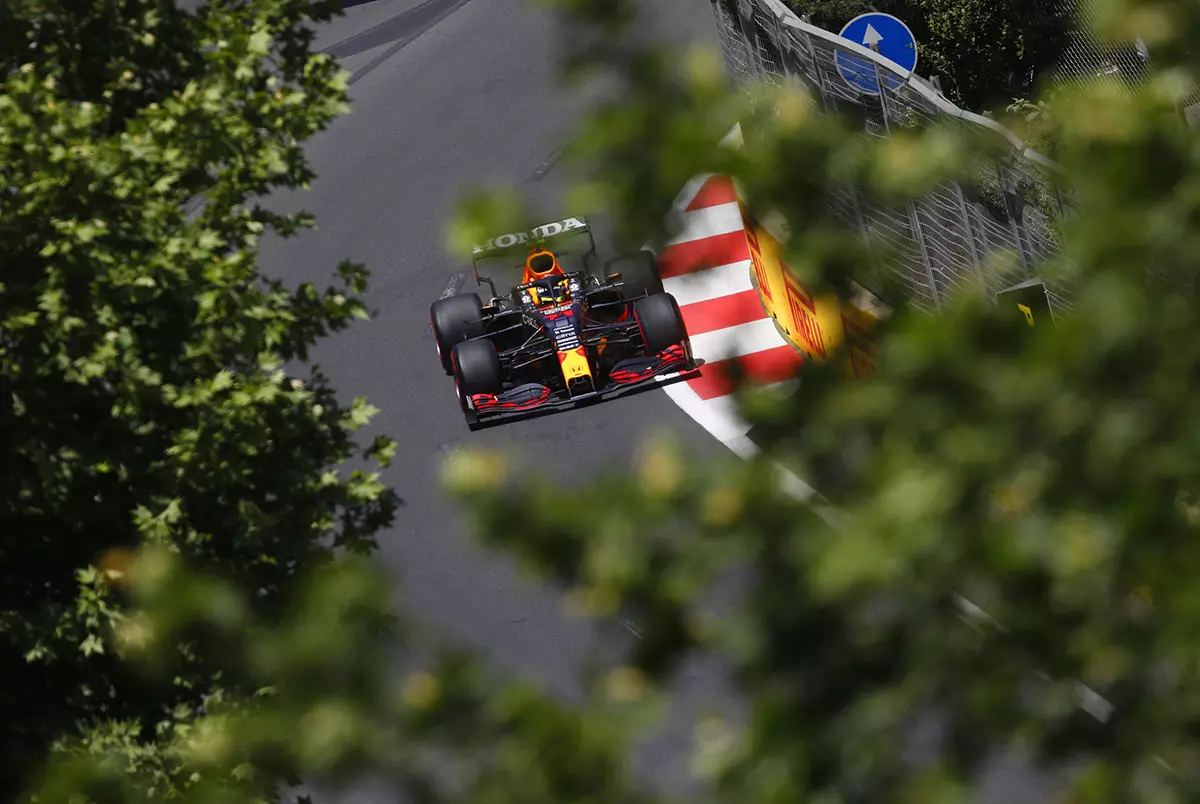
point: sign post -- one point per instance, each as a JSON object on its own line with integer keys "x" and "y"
{"x": 1028, "y": 300}
{"x": 887, "y": 36}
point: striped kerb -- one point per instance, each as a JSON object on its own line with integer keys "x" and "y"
{"x": 706, "y": 267}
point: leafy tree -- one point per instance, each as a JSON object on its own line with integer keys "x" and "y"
{"x": 154, "y": 380}
{"x": 1032, "y": 122}
{"x": 851, "y": 628}
{"x": 987, "y": 53}
{"x": 833, "y": 14}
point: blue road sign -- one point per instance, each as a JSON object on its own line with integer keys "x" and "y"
{"x": 893, "y": 40}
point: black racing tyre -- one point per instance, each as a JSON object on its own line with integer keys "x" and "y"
{"x": 660, "y": 322}
{"x": 455, "y": 319}
{"x": 476, "y": 368}
{"x": 639, "y": 273}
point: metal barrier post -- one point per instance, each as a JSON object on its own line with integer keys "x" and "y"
{"x": 1010, "y": 208}
{"x": 914, "y": 218}
{"x": 976, "y": 262}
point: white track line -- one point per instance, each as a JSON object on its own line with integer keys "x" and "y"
{"x": 689, "y": 192}
{"x": 706, "y": 222}
{"x": 718, "y": 416}
{"x": 737, "y": 341}
{"x": 710, "y": 283}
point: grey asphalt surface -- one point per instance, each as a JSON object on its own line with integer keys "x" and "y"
{"x": 449, "y": 95}
{"x": 468, "y": 101}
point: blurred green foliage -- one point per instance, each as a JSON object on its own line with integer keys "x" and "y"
{"x": 145, "y": 395}
{"x": 987, "y": 52}
{"x": 851, "y": 627}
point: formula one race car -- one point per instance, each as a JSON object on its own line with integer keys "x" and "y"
{"x": 558, "y": 337}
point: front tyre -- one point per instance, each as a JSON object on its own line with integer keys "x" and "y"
{"x": 454, "y": 320}
{"x": 660, "y": 322}
{"x": 476, "y": 369}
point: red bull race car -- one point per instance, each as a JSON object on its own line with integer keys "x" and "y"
{"x": 559, "y": 337}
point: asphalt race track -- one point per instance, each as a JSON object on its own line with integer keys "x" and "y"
{"x": 449, "y": 95}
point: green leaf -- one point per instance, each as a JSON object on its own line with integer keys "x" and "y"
{"x": 92, "y": 645}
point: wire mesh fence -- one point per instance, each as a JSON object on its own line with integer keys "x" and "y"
{"x": 1125, "y": 64}
{"x": 1086, "y": 59}
{"x": 990, "y": 233}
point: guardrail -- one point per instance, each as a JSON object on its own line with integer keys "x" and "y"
{"x": 992, "y": 231}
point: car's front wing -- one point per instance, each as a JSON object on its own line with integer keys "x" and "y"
{"x": 537, "y": 400}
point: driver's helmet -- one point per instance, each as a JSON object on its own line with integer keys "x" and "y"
{"x": 540, "y": 263}
{"x": 560, "y": 290}
{"x": 551, "y": 289}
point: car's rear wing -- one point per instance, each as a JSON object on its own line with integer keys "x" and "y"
{"x": 512, "y": 243}
{"x": 517, "y": 244}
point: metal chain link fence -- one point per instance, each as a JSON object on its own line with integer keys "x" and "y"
{"x": 1126, "y": 64}
{"x": 992, "y": 232}
{"x": 1086, "y": 59}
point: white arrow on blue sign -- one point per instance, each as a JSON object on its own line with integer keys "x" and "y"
{"x": 893, "y": 40}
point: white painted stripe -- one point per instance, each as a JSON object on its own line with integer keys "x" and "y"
{"x": 734, "y": 138}
{"x": 719, "y": 419}
{"x": 711, "y": 283}
{"x": 742, "y": 446}
{"x": 689, "y": 192}
{"x": 719, "y": 416}
{"x": 709, "y": 222}
{"x": 744, "y": 339}
{"x": 726, "y": 408}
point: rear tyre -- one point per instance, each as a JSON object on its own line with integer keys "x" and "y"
{"x": 454, "y": 320}
{"x": 660, "y": 322}
{"x": 639, "y": 273}
{"x": 476, "y": 368}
